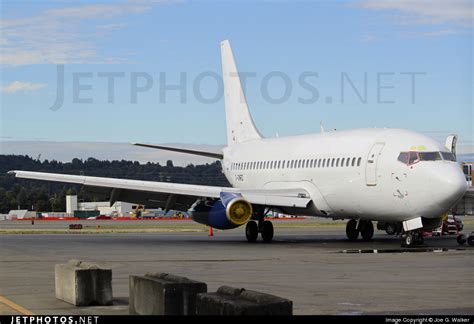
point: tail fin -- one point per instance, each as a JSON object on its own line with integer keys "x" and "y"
{"x": 240, "y": 126}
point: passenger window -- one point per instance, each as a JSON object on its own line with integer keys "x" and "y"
{"x": 332, "y": 162}
{"x": 342, "y": 162}
{"x": 358, "y": 161}
{"x": 337, "y": 162}
{"x": 348, "y": 162}
{"x": 324, "y": 163}
{"x": 319, "y": 163}
{"x": 353, "y": 161}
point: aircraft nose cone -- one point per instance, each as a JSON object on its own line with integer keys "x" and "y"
{"x": 451, "y": 185}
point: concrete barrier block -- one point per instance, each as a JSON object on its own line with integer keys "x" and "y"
{"x": 83, "y": 284}
{"x": 238, "y": 301}
{"x": 163, "y": 294}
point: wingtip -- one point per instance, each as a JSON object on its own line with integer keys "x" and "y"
{"x": 12, "y": 172}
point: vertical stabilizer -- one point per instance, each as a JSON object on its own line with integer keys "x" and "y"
{"x": 240, "y": 126}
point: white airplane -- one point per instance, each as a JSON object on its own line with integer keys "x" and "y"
{"x": 395, "y": 176}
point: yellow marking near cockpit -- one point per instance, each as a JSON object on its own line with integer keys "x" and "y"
{"x": 15, "y": 306}
{"x": 421, "y": 148}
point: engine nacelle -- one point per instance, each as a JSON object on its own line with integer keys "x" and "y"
{"x": 230, "y": 211}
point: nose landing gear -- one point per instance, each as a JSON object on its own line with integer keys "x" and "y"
{"x": 412, "y": 239}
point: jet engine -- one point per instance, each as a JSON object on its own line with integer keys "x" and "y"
{"x": 230, "y": 211}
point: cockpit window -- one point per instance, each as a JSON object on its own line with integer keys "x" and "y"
{"x": 429, "y": 156}
{"x": 448, "y": 156}
{"x": 403, "y": 157}
{"x": 413, "y": 157}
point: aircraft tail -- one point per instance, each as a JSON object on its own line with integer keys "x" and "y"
{"x": 240, "y": 126}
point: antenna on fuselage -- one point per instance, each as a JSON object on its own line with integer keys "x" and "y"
{"x": 321, "y": 126}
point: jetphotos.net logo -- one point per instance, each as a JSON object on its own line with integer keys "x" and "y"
{"x": 208, "y": 87}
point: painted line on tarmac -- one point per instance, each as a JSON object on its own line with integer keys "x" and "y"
{"x": 406, "y": 250}
{"x": 15, "y": 306}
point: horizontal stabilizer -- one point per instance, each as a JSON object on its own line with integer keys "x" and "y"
{"x": 214, "y": 155}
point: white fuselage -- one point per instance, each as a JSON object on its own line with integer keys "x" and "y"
{"x": 351, "y": 174}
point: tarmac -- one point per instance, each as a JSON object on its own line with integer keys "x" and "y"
{"x": 305, "y": 263}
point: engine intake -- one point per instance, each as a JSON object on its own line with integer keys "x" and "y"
{"x": 230, "y": 211}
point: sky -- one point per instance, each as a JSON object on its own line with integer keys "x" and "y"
{"x": 149, "y": 71}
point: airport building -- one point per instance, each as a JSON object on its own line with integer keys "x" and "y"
{"x": 119, "y": 208}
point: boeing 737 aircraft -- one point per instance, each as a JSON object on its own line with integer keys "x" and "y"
{"x": 392, "y": 175}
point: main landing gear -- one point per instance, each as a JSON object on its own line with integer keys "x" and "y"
{"x": 264, "y": 227}
{"x": 363, "y": 227}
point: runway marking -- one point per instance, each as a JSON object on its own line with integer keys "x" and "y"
{"x": 15, "y": 306}
{"x": 406, "y": 250}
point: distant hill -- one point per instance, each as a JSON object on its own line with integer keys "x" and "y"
{"x": 66, "y": 151}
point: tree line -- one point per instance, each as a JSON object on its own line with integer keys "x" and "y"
{"x": 51, "y": 196}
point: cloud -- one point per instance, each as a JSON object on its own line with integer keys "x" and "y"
{"x": 63, "y": 35}
{"x": 368, "y": 39}
{"x": 22, "y": 86}
{"x": 434, "y": 33}
{"x": 426, "y": 11}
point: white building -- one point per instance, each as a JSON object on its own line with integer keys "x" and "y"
{"x": 120, "y": 208}
{"x": 20, "y": 214}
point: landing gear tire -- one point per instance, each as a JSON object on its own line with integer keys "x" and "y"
{"x": 251, "y": 231}
{"x": 470, "y": 240}
{"x": 461, "y": 239}
{"x": 409, "y": 240}
{"x": 367, "y": 231}
{"x": 267, "y": 231}
{"x": 351, "y": 230}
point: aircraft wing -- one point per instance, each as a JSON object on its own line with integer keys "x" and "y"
{"x": 167, "y": 195}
